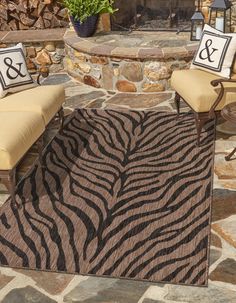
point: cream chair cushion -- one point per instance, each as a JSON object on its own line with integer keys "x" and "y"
{"x": 18, "y": 132}
{"x": 45, "y": 100}
{"x": 194, "y": 86}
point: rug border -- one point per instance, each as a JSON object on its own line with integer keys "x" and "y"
{"x": 211, "y": 202}
{"x": 101, "y": 276}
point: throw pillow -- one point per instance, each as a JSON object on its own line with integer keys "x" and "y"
{"x": 216, "y": 52}
{"x": 14, "y": 75}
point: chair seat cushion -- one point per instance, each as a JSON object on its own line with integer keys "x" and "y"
{"x": 194, "y": 86}
{"x": 45, "y": 100}
{"x": 18, "y": 132}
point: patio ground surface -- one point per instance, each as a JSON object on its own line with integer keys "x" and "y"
{"x": 25, "y": 286}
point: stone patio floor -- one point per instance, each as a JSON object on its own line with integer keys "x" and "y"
{"x": 25, "y": 286}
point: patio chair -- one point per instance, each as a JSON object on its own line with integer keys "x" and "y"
{"x": 205, "y": 93}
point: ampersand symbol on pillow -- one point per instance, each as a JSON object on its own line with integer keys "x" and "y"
{"x": 207, "y": 53}
{"x": 13, "y": 72}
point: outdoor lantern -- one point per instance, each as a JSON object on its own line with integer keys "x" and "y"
{"x": 197, "y": 25}
{"x": 221, "y": 15}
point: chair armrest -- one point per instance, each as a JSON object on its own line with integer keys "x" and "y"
{"x": 42, "y": 72}
{"x": 222, "y": 80}
{"x": 215, "y": 83}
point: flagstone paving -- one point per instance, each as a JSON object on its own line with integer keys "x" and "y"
{"x": 26, "y": 286}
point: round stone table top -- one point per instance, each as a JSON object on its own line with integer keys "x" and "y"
{"x": 229, "y": 112}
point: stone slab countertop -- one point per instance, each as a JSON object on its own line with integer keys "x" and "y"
{"x": 27, "y": 36}
{"x": 134, "y": 45}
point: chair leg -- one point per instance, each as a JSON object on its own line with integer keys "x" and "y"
{"x": 40, "y": 146}
{"x": 61, "y": 118}
{"x": 177, "y": 102}
{"x": 228, "y": 158}
{"x": 8, "y": 178}
{"x": 200, "y": 120}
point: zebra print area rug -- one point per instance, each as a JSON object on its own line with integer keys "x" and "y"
{"x": 121, "y": 194}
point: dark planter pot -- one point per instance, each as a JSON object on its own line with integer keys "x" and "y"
{"x": 87, "y": 28}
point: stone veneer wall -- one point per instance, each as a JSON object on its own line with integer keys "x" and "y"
{"x": 50, "y": 54}
{"x": 39, "y": 54}
{"x": 124, "y": 75}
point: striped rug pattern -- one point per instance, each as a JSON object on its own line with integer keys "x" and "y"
{"x": 121, "y": 194}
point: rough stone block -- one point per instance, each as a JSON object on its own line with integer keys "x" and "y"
{"x": 43, "y": 58}
{"x": 125, "y": 86}
{"x": 99, "y": 60}
{"x": 107, "y": 77}
{"x": 132, "y": 71}
{"x": 153, "y": 87}
{"x": 26, "y": 295}
{"x": 89, "y": 80}
{"x": 31, "y": 52}
{"x": 155, "y": 71}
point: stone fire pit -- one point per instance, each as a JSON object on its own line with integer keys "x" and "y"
{"x": 128, "y": 62}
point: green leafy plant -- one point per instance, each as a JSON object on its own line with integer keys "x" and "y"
{"x": 82, "y": 9}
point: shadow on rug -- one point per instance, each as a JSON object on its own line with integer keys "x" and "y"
{"x": 122, "y": 194}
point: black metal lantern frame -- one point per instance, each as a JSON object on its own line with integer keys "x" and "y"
{"x": 197, "y": 23}
{"x": 221, "y": 7}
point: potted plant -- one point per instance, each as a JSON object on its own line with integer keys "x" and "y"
{"x": 84, "y": 14}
